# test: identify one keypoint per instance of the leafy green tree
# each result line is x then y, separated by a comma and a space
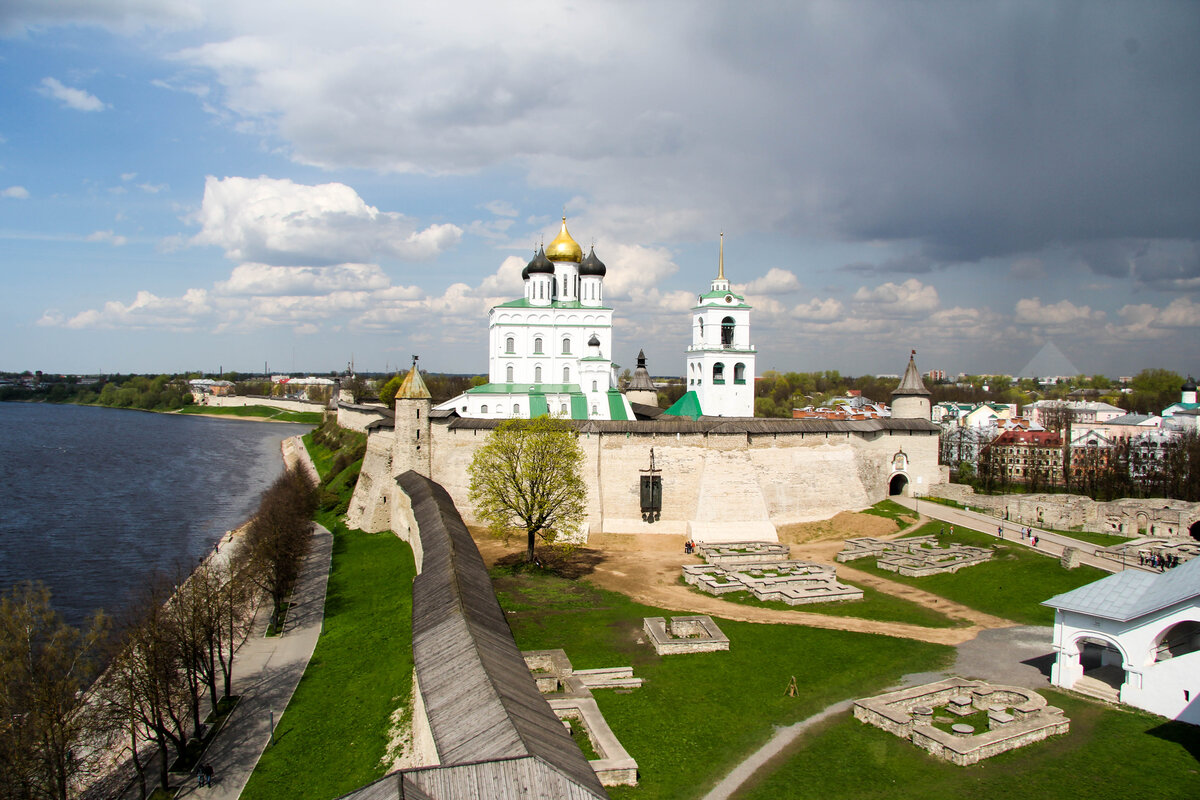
529, 476
387, 395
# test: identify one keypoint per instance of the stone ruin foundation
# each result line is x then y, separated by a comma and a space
694, 634
763, 569
916, 556
569, 693
1139, 551
1015, 717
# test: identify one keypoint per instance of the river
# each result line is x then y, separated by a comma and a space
95, 500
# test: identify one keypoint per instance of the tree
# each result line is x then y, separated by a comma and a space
356, 385
45, 665
278, 536
529, 476
387, 395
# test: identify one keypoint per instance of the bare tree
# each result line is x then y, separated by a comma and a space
45, 666
1058, 417
278, 537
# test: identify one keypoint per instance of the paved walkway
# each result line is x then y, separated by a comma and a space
1048, 542
266, 674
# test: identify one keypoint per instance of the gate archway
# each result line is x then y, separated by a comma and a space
898, 484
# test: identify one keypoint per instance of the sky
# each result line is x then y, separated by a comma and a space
228, 185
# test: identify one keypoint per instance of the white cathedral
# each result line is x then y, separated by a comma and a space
550, 352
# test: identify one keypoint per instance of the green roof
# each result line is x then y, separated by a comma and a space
526, 388
579, 407
686, 406
538, 406
524, 303
616, 405
741, 301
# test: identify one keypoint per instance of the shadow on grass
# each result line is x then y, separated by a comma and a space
1181, 733
576, 563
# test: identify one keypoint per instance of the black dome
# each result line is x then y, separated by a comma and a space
593, 342
540, 264
1189, 385
592, 265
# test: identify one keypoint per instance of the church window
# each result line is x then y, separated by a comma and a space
537, 346
508, 373
566, 374
595, 413
701, 321
483, 409
537, 374
510, 345
718, 372
563, 409
594, 389
516, 409
727, 326
566, 347
739, 373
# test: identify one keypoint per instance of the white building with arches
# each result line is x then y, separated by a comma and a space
550, 352
1135, 637
720, 359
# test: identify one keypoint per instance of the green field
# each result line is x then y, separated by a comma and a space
875, 605
256, 412
360, 673
1012, 585
698, 715
1107, 752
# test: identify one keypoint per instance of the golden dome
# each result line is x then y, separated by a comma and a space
564, 248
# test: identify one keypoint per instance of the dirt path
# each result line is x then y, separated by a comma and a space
645, 567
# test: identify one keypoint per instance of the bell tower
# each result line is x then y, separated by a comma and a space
720, 359
412, 446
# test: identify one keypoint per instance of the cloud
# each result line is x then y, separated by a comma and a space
817, 310
1063, 314
505, 281
77, 99
15, 193
125, 16
501, 208
635, 268
146, 311
776, 281
153, 188
265, 279
276, 221
106, 236
1144, 321
910, 298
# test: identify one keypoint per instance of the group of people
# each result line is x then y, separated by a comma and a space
204, 774
1159, 561
1027, 534
689, 547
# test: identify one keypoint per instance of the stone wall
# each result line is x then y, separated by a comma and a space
358, 417
1154, 516
741, 483
238, 401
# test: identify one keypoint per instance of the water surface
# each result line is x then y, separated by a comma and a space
94, 500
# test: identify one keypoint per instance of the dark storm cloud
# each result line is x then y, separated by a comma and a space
983, 130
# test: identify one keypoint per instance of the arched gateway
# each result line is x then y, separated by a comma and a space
898, 485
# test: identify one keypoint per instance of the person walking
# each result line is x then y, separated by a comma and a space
208, 774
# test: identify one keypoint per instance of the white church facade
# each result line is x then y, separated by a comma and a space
550, 352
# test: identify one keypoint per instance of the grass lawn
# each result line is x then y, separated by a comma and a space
1012, 585
262, 412
890, 509
333, 735
1107, 752
874, 605
698, 715
1102, 539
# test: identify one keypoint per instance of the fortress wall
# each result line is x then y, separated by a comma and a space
358, 417
372, 501
237, 401
714, 477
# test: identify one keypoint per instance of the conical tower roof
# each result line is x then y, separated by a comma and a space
413, 387
641, 376
911, 384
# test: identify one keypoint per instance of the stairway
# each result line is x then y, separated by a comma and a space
1102, 683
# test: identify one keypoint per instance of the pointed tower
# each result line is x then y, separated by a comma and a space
412, 445
641, 389
720, 359
911, 398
